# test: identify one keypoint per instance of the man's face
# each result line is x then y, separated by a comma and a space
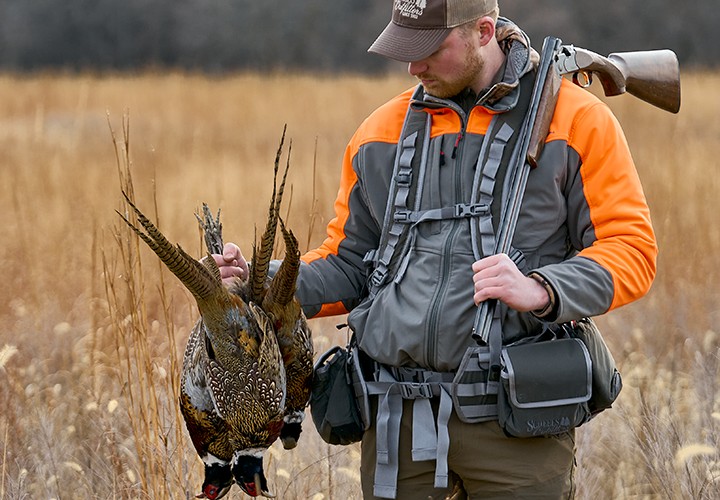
450, 69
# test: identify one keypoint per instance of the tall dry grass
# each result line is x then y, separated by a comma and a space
93, 328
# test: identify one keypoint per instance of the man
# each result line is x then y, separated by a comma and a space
584, 243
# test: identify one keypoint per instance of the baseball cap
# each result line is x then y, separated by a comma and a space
418, 27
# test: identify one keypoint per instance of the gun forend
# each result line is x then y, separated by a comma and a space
651, 75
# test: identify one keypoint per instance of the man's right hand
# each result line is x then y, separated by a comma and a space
232, 264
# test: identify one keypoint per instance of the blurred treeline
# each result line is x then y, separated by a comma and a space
317, 35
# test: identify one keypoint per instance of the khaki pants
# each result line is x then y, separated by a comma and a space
484, 464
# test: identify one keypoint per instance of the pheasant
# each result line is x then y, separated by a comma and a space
294, 338
233, 380
277, 299
208, 431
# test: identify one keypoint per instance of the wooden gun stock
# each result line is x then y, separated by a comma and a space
651, 75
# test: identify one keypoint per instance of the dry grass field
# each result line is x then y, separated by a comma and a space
93, 329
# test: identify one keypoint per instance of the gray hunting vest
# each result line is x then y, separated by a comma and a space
472, 390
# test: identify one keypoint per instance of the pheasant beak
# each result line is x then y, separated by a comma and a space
251, 488
213, 492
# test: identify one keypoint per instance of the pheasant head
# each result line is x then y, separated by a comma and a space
218, 481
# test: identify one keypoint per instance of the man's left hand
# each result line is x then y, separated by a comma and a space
497, 277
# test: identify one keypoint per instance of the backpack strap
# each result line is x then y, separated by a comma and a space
417, 125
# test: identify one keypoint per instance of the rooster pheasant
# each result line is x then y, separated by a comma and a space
233, 378
277, 297
248, 363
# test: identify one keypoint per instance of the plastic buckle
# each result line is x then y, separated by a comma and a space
404, 178
401, 216
463, 210
414, 390
377, 278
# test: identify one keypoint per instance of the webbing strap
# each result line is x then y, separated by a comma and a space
400, 185
401, 180
486, 170
443, 438
386, 464
430, 437
424, 435
459, 211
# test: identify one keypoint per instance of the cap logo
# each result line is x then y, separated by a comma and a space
410, 8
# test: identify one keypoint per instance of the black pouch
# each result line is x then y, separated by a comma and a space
606, 379
333, 404
545, 387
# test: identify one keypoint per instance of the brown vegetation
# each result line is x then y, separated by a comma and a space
93, 328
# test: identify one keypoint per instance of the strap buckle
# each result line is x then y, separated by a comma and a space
404, 178
415, 390
377, 278
467, 210
401, 216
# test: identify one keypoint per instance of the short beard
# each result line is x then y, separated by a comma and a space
447, 89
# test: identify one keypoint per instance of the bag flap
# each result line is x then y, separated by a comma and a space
545, 374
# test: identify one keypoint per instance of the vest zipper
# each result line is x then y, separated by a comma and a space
438, 298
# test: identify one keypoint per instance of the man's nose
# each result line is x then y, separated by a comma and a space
416, 68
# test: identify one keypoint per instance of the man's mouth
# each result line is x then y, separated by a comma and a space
427, 80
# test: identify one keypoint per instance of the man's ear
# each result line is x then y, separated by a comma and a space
486, 29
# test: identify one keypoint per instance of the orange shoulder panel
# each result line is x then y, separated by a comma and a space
383, 125
625, 243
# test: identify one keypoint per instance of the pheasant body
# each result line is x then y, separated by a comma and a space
248, 361
294, 338
233, 378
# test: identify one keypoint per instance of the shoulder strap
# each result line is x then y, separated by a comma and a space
415, 134
489, 186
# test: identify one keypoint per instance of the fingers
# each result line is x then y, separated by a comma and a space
497, 277
494, 271
232, 264
488, 278
231, 252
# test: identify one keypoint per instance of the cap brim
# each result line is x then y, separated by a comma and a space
408, 44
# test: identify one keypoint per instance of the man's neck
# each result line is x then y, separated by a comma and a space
494, 61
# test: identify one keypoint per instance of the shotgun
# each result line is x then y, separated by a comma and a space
653, 76
650, 75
